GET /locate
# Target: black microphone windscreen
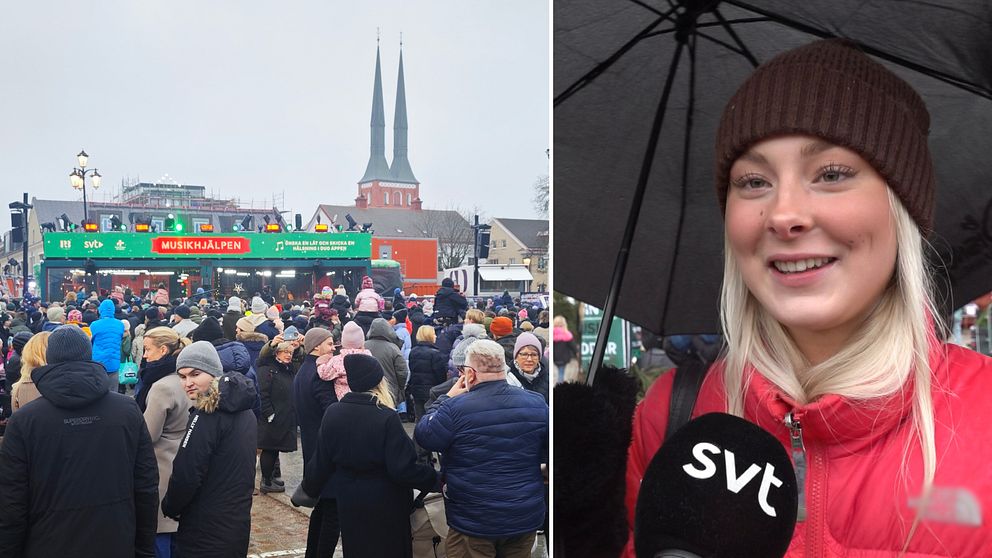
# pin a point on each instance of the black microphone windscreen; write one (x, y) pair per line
(720, 487)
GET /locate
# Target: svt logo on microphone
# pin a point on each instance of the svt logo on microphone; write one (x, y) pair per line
(735, 483)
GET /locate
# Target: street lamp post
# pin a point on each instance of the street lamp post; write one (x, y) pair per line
(78, 179)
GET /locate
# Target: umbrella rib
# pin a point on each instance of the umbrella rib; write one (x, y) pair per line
(733, 35)
(651, 9)
(930, 72)
(685, 176)
(612, 59)
(709, 24)
(609, 309)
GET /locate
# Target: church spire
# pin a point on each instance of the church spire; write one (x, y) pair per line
(377, 168)
(400, 170)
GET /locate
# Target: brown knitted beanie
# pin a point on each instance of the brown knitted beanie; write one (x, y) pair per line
(832, 90)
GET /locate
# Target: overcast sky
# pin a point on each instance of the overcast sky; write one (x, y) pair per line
(251, 98)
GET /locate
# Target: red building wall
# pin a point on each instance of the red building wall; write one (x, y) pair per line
(417, 258)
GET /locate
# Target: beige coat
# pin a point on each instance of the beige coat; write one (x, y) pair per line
(23, 393)
(166, 415)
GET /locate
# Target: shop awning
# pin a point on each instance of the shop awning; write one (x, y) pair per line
(505, 274)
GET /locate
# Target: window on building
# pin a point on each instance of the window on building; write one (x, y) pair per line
(513, 261)
(493, 244)
(409, 199)
(542, 263)
(503, 243)
(105, 222)
(385, 198)
(159, 224)
(493, 260)
(398, 198)
(198, 222)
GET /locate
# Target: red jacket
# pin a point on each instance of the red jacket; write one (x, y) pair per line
(857, 500)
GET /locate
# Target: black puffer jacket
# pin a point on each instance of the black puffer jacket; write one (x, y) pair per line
(449, 304)
(78, 475)
(213, 475)
(277, 427)
(428, 368)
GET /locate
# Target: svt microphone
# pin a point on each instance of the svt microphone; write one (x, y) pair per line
(720, 487)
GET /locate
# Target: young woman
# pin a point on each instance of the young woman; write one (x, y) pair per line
(166, 409)
(277, 427)
(370, 462)
(833, 342)
(213, 475)
(32, 356)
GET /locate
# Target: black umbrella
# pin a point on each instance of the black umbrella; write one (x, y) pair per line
(640, 86)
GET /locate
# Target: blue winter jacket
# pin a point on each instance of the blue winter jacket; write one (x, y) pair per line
(493, 440)
(234, 357)
(108, 333)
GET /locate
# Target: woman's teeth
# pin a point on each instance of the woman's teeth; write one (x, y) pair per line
(799, 266)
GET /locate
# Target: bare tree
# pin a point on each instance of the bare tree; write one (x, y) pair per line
(454, 235)
(542, 195)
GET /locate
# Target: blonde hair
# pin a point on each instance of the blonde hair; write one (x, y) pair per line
(891, 346)
(33, 355)
(169, 338)
(476, 315)
(426, 334)
(560, 321)
(383, 394)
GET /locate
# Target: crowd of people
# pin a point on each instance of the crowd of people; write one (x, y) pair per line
(167, 466)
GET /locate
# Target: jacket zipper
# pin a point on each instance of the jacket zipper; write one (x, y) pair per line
(798, 459)
(808, 463)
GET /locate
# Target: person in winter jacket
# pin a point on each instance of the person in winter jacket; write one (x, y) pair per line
(342, 304)
(398, 322)
(231, 317)
(399, 301)
(449, 303)
(34, 355)
(165, 406)
(251, 339)
(277, 427)
(529, 365)
(13, 369)
(312, 396)
(493, 438)
(384, 345)
(161, 296)
(367, 300)
(331, 368)
(565, 350)
(428, 368)
(369, 460)
(502, 330)
(834, 345)
(56, 318)
(541, 329)
(234, 356)
(213, 475)
(108, 334)
(272, 325)
(77, 469)
(181, 320)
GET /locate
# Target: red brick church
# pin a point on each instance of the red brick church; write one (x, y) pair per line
(383, 185)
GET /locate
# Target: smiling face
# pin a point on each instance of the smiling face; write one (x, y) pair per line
(810, 228)
(194, 381)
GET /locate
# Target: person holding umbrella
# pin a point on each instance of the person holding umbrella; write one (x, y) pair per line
(834, 342)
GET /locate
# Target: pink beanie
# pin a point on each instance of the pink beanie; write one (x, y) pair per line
(352, 336)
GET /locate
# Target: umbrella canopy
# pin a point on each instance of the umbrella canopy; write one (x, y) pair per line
(639, 90)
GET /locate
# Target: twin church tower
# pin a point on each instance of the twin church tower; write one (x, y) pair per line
(384, 185)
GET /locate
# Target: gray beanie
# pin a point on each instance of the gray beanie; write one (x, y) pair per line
(202, 356)
(68, 343)
(315, 336)
(258, 305)
(234, 303)
(56, 314)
